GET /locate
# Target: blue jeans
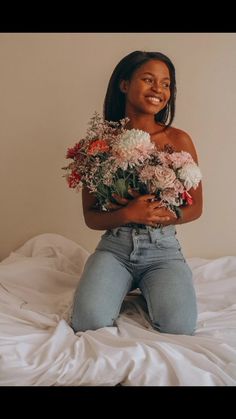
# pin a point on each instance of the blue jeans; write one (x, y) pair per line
(127, 258)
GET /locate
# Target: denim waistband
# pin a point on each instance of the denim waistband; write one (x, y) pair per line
(153, 232)
(144, 226)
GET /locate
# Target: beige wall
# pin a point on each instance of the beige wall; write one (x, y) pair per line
(50, 84)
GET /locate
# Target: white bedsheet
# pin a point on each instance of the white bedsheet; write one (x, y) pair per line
(38, 347)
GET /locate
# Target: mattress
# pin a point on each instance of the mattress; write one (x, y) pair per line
(39, 348)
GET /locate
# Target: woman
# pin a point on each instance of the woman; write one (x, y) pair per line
(139, 248)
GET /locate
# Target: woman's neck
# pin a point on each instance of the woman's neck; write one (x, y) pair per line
(145, 124)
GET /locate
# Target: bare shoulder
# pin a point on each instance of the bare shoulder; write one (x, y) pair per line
(182, 141)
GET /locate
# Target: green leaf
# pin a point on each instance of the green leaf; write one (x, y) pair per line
(178, 212)
(121, 187)
(102, 190)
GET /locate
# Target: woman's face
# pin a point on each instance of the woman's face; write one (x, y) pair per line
(148, 91)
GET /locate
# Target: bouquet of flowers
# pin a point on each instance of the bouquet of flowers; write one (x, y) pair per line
(112, 160)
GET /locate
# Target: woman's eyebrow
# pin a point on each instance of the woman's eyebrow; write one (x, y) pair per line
(151, 74)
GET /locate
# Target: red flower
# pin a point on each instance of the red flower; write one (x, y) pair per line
(71, 152)
(187, 197)
(98, 146)
(73, 179)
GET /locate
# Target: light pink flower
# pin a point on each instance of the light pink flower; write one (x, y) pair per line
(179, 159)
(170, 197)
(157, 177)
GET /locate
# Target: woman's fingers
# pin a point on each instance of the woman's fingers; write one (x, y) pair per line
(112, 206)
(133, 193)
(158, 220)
(156, 204)
(146, 197)
(119, 199)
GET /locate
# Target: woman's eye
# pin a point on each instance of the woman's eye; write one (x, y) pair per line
(148, 80)
(166, 85)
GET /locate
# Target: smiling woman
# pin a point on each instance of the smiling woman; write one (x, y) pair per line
(139, 248)
(129, 69)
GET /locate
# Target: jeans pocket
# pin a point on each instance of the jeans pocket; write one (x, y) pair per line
(168, 243)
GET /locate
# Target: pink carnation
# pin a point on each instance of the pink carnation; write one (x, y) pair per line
(179, 159)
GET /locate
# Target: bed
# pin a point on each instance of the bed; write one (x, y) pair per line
(39, 348)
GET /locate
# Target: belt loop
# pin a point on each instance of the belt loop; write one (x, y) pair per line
(135, 230)
(114, 231)
(151, 235)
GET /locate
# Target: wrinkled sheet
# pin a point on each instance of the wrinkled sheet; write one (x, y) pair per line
(39, 348)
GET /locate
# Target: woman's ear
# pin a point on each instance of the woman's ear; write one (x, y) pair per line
(124, 84)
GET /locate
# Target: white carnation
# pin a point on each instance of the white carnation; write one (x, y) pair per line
(132, 147)
(134, 139)
(190, 174)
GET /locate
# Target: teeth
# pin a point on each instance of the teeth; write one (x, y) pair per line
(154, 99)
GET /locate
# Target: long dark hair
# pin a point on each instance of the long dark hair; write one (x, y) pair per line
(114, 103)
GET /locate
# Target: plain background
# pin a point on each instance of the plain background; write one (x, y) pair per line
(51, 84)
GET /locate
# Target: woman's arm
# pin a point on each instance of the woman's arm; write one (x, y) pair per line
(194, 211)
(140, 210)
(99, 220)
(191, 212)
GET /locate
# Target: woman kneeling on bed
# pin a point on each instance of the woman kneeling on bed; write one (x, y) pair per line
(139, 248)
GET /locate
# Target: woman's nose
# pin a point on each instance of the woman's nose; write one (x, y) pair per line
(157, 87)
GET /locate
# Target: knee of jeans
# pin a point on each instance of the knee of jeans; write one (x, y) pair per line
(90, 320)
(177, 327)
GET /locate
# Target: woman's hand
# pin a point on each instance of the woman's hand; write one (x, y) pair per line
(146, 210)
(143, 209)
(121, 202)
